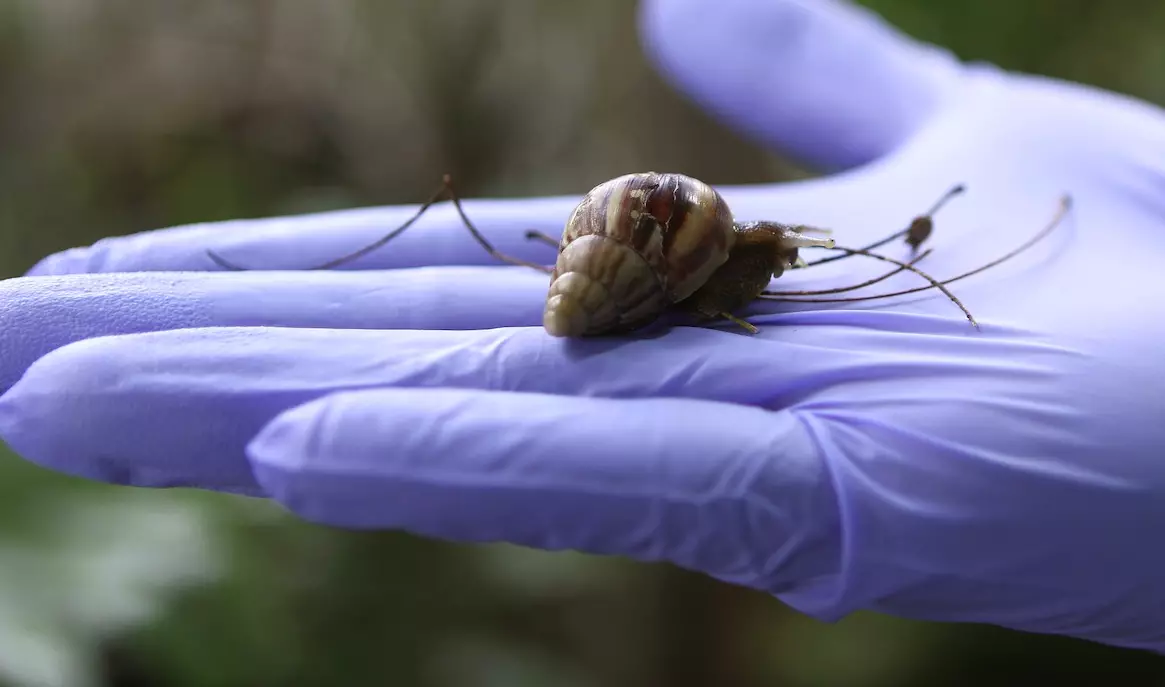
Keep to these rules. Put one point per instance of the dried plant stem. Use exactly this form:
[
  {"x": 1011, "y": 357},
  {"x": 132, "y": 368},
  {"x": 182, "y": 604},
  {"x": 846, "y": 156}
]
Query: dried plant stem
[
  {"x": 918, "y": 231},
  {"x": 934, "y": 283},
  {"x": 446, "y": 190},
  {"x": 1064, "y": 206},
  {"x": 842, "y": 289}
]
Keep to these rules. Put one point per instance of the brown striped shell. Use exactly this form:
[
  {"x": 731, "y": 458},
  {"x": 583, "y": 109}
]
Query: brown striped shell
[{"x": 632, "y": 247}]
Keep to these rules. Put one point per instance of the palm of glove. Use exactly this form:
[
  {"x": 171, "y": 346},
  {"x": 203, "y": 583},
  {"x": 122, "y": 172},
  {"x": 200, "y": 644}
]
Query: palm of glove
[{"x": 876, "y": 455}]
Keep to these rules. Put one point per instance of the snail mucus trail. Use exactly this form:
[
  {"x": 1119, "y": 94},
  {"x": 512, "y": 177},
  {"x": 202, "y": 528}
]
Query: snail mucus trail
[{"x": 640, "y": 244}]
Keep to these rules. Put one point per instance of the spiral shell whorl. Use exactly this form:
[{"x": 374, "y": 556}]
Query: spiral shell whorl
[
  {"x": 601, "y": 286},
  {"x": 634, "y": 245}
]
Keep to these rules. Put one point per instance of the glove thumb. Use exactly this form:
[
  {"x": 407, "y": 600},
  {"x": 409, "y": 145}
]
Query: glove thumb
[{"x": 822, "y": 80}]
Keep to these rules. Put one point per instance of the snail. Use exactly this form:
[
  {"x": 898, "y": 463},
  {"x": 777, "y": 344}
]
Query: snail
[{"x": 642, "y": 244}]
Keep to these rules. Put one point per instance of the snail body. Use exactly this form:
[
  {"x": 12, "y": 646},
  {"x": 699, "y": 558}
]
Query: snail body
[{"x": 639, "y": 244}]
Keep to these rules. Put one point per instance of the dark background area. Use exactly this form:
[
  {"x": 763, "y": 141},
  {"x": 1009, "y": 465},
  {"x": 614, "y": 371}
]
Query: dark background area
[{"x": 118, "y": 116}]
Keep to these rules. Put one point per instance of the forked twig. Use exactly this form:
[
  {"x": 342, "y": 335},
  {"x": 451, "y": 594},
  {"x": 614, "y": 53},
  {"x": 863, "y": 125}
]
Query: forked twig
[
  {"x": 535, "y": 235},
  {"x": 1064, "y": 206},
  {"x": 446, "y": 189},
  {"x": 934, "y": 283},
  {"x": 919, "y": 230},
  {"x": 842, "y": 289}
]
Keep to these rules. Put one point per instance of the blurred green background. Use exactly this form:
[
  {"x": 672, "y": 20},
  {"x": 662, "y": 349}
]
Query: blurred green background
[{"x": 118, "y": 116}]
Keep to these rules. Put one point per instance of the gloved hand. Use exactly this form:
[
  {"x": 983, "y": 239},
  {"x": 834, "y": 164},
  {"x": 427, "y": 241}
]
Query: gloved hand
[{"x": 875, "y": 455}]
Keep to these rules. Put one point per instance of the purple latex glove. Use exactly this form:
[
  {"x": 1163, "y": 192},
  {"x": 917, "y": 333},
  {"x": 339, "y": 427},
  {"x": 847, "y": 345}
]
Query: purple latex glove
[{"x": 878, "y": 455}]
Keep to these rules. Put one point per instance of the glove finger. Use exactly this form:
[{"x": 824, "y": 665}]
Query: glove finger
[
  {"x": 299, "y": 242},
  {"x": 177, "y": 407},
  {"x": 40, "y": 314},
  {"x": 825, "y": 80},
  {"x": 736, "y": 492},
  {"x": 832, "y": 510}
]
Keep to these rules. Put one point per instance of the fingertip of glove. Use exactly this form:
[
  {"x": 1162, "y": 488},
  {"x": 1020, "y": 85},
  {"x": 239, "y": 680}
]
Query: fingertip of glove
[
  {"x": 78, "y": 260},
  {"x": 104, "y": 409},
  {"x": 40, "y": 420},
  {"x": 314, "y": 460},
  {"x": 282, "y": 447}
]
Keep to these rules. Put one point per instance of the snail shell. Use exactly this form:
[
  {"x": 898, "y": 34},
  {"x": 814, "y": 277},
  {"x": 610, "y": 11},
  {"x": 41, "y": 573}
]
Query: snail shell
[{"x": 633, "y": 246}]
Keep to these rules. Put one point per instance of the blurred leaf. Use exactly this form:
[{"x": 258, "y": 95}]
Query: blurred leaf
[
  {"x": 486, "y": 663},
  {"x": 107, "y": 561}
]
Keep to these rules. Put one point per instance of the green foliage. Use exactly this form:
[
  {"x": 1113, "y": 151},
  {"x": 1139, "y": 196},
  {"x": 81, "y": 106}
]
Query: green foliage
[{"x": 1117, "y": 46}]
